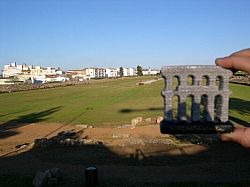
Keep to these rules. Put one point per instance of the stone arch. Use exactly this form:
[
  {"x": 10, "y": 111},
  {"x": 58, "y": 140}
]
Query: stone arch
[
  {"x": 190, "y": 80},
  {"x": 175, "y": 104},
  {"x": 205, "y": 81},
  {"x": 204, "y": 106},
  {"x": 218, "y": 103},
  {"x": 220, "y": 82},
  {"x": 187, "y": 95},
  {"x": 176, "y": 82}
]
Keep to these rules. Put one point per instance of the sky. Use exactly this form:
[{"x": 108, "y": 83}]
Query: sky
[{"x": 73, "y": 34}]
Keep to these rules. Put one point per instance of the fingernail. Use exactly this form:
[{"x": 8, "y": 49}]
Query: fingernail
[{"x": 218, "y": 60}]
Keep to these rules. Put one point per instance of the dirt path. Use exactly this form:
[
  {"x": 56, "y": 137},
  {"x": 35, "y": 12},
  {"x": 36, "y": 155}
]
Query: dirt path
[{"x": 125, "y": 155}]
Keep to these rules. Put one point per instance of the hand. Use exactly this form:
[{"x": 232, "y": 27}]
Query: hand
[
  {"x": 239, "y": 135},
  {"x": 237, "y": 61}
]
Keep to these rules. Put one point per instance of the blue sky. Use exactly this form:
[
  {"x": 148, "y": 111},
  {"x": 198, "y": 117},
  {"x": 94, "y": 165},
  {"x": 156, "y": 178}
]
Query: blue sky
[{"x": 111, "y": 33}]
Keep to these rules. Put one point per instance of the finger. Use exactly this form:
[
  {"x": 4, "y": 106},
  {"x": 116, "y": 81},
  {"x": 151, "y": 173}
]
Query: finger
[
  {"x": 244, "y": 52},
  {"x": 234, "y": 63},
  {"x": 240, "y": 135},
  {"x": 234, "y": 136}
]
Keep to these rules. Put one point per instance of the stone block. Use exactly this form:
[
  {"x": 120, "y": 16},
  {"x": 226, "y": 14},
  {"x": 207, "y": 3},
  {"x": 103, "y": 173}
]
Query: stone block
[
  {"x": 139, "y": 119},
  {"x": 82, "y": 126},
  {"x": 134, "y": 121},
  {"x": 159, "y": 119}
]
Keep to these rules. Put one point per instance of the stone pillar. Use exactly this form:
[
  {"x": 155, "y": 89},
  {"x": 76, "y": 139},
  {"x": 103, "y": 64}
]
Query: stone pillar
[
  {"x": 197, "y": 80},
  {"x": 182, "y": 108},
  {"x": 196, "y": 108},
  {"x": 218, "y": 106},
  {"x": 212, "y": 81},
  {"x": 183, "y": 80},
  {"x": 169, "y": 83},
  {"x": 225, "y": 83},
  {"x": 224, "y": 109},
  {"x": 210, "y": 108},
  {"x": 168, "y": 110}
]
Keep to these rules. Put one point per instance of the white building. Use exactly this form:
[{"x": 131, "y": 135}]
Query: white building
[
  {"x": 111, "y": 72},
  {"x": 55, "y": 78},
  {"x": 154, "y": 71},
  {"x": 24, "y": 72},
  {"x": 36, "y": 71},
  {"x": 125, "y": 72},
  {"x": 129, "y": 72},
  {"x": 90, "y": 72},
  {"x": 77, "y": 73},
  {"x": 49, "y": 71},
  {"x": 150, "y": 72},
  {"x": 99, "y": 72},
  {"x": 12, "y": 69}
]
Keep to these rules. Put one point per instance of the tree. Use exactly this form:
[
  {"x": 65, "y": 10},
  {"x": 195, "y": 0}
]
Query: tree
[
  {"x": 139, "y": 71},
  {"x": 121, "y": 72}
]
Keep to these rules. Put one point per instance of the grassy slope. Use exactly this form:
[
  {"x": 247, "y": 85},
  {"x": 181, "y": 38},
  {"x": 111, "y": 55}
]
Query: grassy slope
[
  {"x": 240, "y": 102},
  {"x": 101, "y": 102},
  {"x": 96, "y": 103}
]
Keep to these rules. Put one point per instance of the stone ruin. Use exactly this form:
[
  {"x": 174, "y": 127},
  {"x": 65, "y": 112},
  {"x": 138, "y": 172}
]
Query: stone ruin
[{"x": 207, "y": 86}]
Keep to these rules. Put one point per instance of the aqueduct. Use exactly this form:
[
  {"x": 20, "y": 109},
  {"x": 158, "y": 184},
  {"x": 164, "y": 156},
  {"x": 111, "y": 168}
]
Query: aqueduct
[{"x": 206, "y": 85}]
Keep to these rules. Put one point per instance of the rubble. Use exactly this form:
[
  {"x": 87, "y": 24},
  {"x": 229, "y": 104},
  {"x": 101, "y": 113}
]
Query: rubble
[{"x": 51, "y": 177}]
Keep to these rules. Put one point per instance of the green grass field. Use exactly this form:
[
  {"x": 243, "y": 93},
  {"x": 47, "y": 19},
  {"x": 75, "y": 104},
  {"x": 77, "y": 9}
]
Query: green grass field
[{"x": 108, "y": 102}]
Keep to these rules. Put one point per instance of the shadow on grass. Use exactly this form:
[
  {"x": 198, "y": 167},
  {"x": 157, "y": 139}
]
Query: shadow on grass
[
  {"x": 239, "y": 121},
  {"x": 240, "y": 105},
  {"x": 9, "y": 128},
  {"x": 7, "y": 114}
]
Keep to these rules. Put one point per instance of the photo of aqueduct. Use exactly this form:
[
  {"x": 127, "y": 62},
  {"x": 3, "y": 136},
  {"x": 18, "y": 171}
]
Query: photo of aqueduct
[{"x": 206, "y": 85}]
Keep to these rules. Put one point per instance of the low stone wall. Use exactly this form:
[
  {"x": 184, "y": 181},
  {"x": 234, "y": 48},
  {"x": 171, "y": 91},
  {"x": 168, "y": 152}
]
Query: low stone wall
[
  {"x": 243, "y": 80},
  {"x": 27, "y": 87}
]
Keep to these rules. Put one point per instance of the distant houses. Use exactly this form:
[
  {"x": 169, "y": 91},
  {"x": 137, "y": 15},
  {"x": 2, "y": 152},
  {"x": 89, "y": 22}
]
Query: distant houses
[
  {"x": 150, "y": 71},
  {"x": 91, "y": 73},
  {"x": 14, "y": 72}
]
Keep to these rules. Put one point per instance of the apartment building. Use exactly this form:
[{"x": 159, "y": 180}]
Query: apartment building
[
  {"x": 150, "y": 72},
  {"x": 111, "y": 72},
  {"x": 129, "y": 72},
  {"x": 90, "y": 73},
  {"x": 12, "y": 69},
  {"x": 25, "y": 72}
]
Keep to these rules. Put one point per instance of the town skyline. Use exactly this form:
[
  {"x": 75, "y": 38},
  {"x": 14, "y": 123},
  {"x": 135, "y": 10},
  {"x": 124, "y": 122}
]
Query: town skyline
[
  {"x": 27, "y": 73},
  {"x": 75, "y": 34},
  {"x": 59, "y": 68}
]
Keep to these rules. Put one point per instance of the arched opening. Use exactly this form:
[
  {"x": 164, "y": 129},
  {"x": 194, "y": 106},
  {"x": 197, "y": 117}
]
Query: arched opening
[
  {"x": 203, "y": 107},
  {"x": 189, "y": 107},
  {"x": 219, "y": 82},
  {"x": 190, "y": 80},
  {"x": 217, "y": 107},
  {"x": 205, "y": 80},
  {"x": 176, "y": 82},
  {"x": 176, "y": 101}
]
